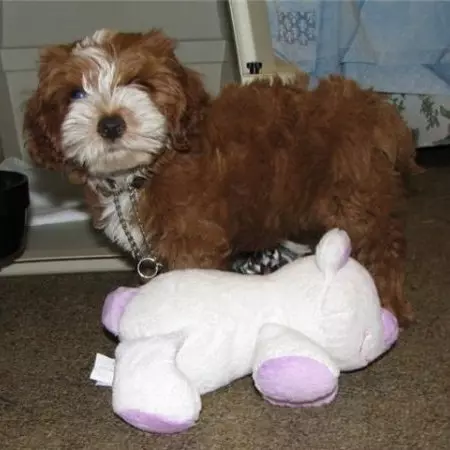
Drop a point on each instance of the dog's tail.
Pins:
(402, 155)
(405, 161)
(397, 141)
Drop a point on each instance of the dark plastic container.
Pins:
(14, 203)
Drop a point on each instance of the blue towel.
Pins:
(392, 46)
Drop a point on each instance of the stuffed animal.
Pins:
(189, 332)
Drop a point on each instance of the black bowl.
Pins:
(14, 203)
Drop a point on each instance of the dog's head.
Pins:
(111, 102)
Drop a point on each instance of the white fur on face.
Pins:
(145, 125)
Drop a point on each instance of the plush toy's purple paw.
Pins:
(114, 306)
(153, 423)
(390, 327)
(296, 381)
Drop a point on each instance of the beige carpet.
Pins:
(50, 331)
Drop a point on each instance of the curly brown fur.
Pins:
(258, 164)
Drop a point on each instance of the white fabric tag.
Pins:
(103, 370)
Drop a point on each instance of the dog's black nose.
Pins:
(111, 127)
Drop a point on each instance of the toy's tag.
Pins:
(103, 370)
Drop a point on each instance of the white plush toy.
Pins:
(189, 332)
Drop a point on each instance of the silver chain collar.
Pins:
(147, 265)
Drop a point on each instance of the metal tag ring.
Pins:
(150, 263)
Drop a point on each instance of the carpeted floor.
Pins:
(50, 332)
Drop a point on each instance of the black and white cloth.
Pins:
(270, 260)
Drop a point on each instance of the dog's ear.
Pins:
(177, 90)
(43, 112)
(188, 112)
(41, 143)
(188, 87)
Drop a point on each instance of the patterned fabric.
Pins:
(297, 27)
(427, 115)
(268, 261)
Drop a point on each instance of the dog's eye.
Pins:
(77, 94)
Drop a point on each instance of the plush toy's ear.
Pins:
(333, 251)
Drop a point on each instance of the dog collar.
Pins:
(147, 264)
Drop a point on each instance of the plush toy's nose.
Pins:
(390, 327)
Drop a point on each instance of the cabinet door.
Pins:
(251, 29)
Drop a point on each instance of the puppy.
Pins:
(192, 180)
